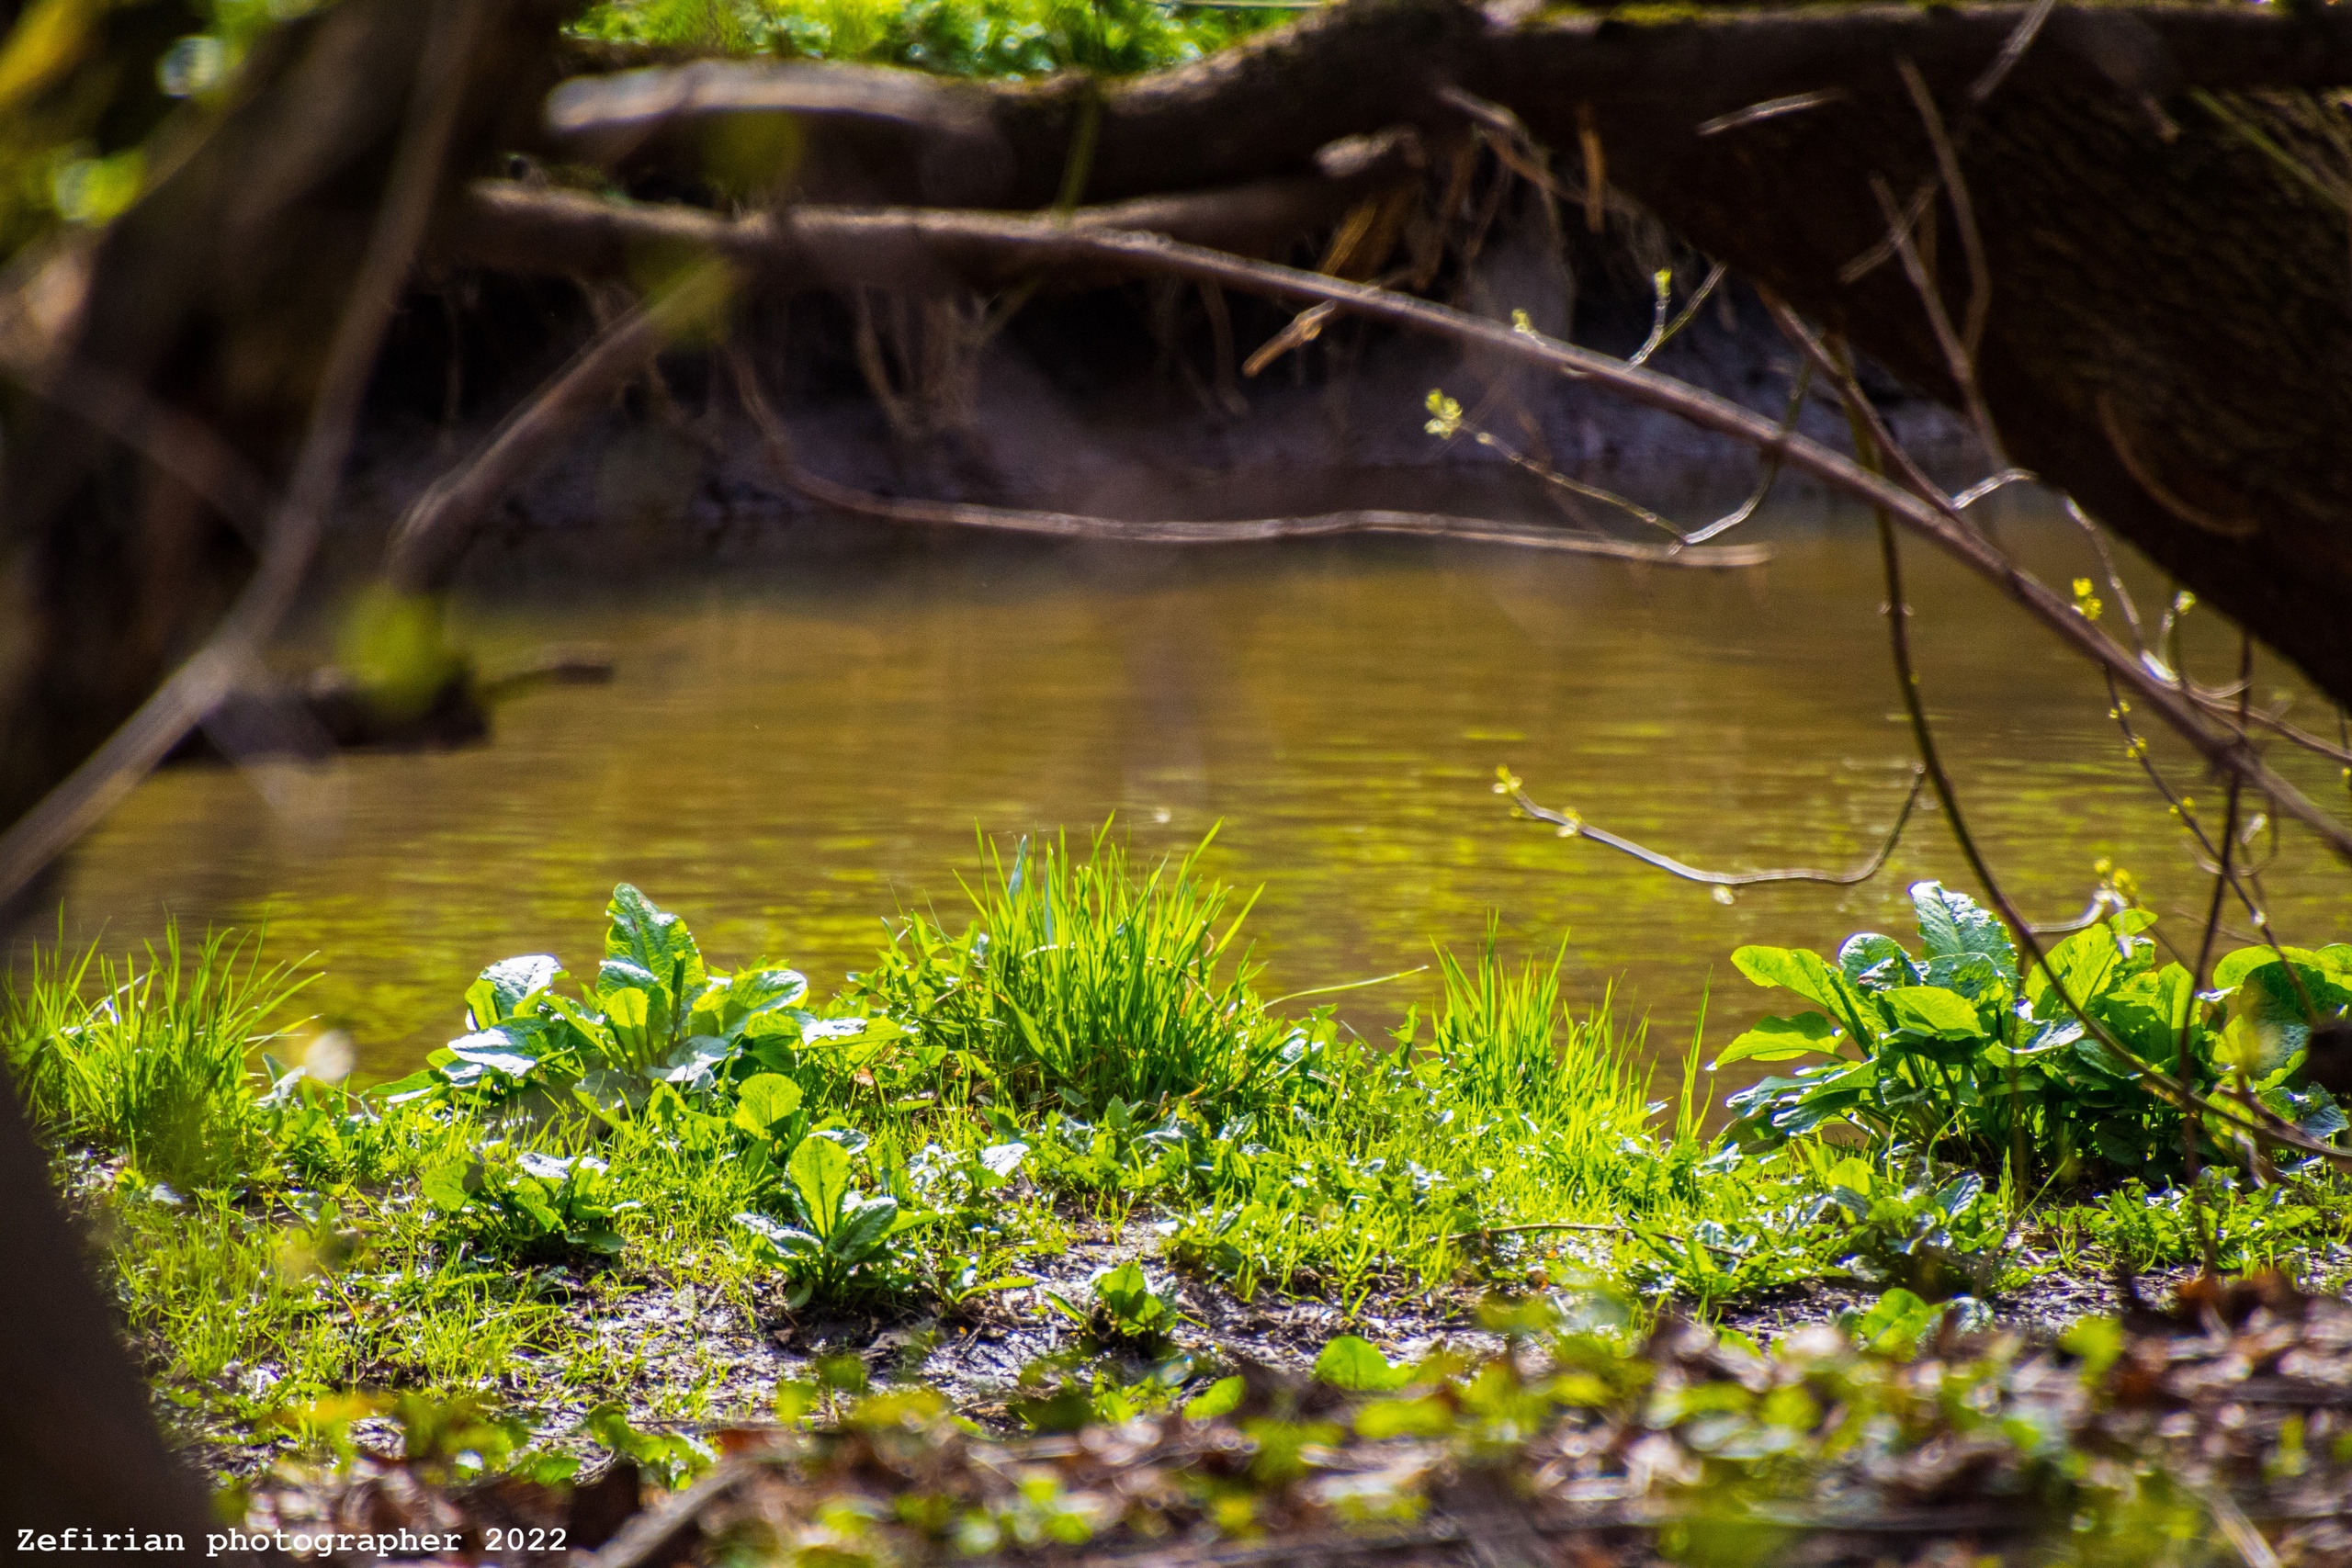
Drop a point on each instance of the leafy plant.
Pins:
(1905, 1228)
(529, 1206)
(1126, 1312)
(1953, 1052)
(658, 1014)
(979, 37)
(839, 1234)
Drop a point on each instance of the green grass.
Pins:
(962, 38)
(148, 1056)
(1079, 983)
(1086, 1054)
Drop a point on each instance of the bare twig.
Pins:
(1003, 242)
(2013, 51)
(2028, 27)
(1858, 406)
(1573, 825)
(192, 690)
(1771, 108)
(1072, 525)
(434, 529)
(1767, 475)
(1662, 330)
(2102, 904)
(1972, 241)
(1958, 360)
(2123, 599)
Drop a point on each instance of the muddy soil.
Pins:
(692, 1349)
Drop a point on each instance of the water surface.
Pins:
(791, 755)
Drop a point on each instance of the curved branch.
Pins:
(1572, 825)
(807, 245)
(1257, 530)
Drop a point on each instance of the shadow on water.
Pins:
(791, 754)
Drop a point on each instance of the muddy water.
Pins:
(791, 755)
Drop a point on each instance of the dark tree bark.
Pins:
(78, 1448)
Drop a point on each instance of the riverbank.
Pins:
(1066, 1146)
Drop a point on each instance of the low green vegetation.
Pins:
(1087, 1057)
(960, 38)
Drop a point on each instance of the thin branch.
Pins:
(1771, 108)
(1070, 526)
(1984, 487)
(1972, 241)
(1006, 244)
(1858, 405)
(1767, 477)
(1573, 825)
(434, 531)
(2103, 903)
(1958, 361)
(2114, 579)
(1662, 332)
(192, 691)
(2028, 27)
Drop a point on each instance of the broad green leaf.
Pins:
(1873, 962)
(765, 1100)
(1783, 1039)
(498, 1049)
(752, 992)
(1222, 1398)
(1932, 1010)
(629, 1014)
(2087, 962)
(2146, 1013)
(655, 941)
(819, 1169)
(1358, 1366)
(1971, 974)
(1953, 923)
(865, 1224)
(786, 1242)
(1001, 1160)
(493, 998)
(2231, 970)
(416, 1085)
(445, 1188)
(693, 1066)
(1894, 1323)
(1127, 1294)
(1804, 972)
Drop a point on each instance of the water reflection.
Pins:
(789, 761)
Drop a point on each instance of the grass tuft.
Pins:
(1081, 983)
(147, 1058)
